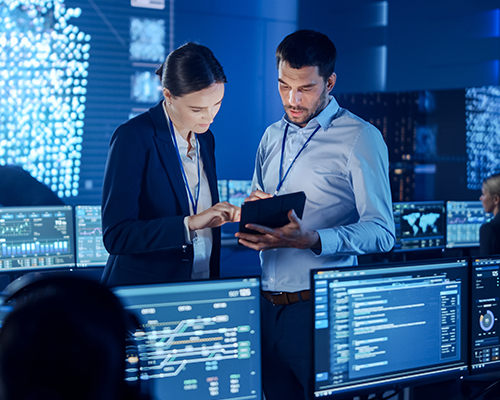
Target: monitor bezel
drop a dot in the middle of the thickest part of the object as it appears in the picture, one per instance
(79, 264)
(406, 378)
(490, 367)
(465, 246)
(419, 249)
(257, 278)
(72, 234)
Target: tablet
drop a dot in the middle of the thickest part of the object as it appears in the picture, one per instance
(272, 212)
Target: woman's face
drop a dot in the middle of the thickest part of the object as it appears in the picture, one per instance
(490, 202)
(194, 112)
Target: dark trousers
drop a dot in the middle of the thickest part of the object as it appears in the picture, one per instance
(287, 350)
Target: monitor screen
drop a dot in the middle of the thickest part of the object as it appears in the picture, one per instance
(90, 251)
(222, 187)
(383, 326)
(463, 220)
(238, 191)
(199, 339)
(234, 191)
(36, 237)
(485, 303)
(420, 225)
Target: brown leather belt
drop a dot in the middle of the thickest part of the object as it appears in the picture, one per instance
(284, 298)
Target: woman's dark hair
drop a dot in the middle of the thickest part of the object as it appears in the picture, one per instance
(306, 48)
(190, 68)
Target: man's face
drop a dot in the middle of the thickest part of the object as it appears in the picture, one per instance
(303, 91)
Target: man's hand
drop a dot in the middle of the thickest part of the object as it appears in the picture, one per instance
(258, 195)
(289, 235)
(214, 216)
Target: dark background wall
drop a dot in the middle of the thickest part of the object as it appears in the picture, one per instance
(390, 54)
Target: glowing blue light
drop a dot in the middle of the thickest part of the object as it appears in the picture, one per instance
(482, 117)
(41, 99)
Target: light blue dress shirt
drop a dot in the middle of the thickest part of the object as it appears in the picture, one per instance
(344, 173)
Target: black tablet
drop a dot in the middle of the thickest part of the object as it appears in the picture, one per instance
(272, 212)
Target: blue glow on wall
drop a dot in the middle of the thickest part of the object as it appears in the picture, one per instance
(43, 79)
(482, 117)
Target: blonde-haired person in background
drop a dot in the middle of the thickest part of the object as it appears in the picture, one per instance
(489, 234)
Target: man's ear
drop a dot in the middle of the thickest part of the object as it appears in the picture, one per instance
(330, 82)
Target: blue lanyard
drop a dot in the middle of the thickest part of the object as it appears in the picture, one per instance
(281, 177)
(194, 201)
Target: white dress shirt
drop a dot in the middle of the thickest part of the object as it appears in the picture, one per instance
(202, 238)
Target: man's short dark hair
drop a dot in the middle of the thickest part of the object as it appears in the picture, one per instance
(307, 48)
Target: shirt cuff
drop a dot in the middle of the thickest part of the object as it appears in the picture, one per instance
(329, 242)
(187, 233)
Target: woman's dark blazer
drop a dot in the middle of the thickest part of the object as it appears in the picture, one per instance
(489, 237)
(144, 204)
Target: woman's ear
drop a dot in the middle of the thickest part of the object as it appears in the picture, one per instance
(167, 95)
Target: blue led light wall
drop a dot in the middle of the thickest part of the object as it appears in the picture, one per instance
(482, 117)
(43, 79)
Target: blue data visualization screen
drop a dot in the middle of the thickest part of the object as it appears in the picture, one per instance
(36, 237)
(90, 251)
(463, 220)
(420, 225)
(385, 325)
(485, 303)
(199, 339)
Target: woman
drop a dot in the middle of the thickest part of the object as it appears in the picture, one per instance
(489, 233)
(160, 209)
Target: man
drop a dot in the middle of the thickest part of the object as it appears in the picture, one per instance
(66, 337)
(19, 188)
(341, 163)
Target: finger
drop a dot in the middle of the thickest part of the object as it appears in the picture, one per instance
(258, 195)
(250, 245)
(248, 237)
(261, 195)
(237, 215)
(292, 216)
(260, 228)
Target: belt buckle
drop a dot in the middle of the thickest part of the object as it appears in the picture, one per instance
(274, 295)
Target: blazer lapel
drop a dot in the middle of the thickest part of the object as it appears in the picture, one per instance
(168, 155)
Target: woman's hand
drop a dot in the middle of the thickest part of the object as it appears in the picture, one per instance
(214, 216)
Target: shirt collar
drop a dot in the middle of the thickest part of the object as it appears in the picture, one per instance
(324, 118)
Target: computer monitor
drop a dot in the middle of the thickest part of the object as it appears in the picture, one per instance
(420, 225)
(463, 220)
(90, 251)
(238, 191)
(36, 237)
(199, 339)
(485, 313)
(388, 326)
(222, 188)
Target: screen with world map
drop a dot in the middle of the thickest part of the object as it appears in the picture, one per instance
(420, 225)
